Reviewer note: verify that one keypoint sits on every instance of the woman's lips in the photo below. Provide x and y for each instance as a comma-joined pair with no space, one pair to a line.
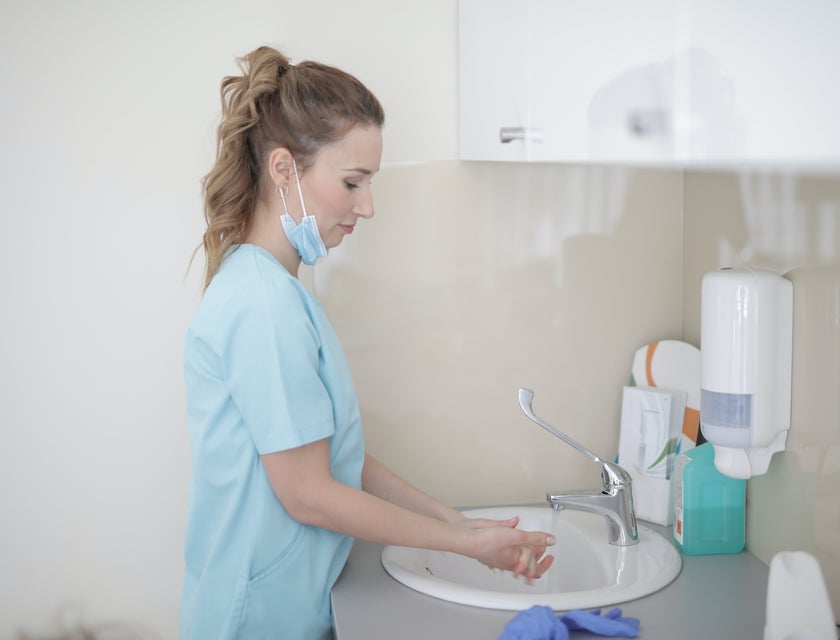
348,228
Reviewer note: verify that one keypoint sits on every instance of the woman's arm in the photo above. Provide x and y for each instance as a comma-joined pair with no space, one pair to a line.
380,481
302,481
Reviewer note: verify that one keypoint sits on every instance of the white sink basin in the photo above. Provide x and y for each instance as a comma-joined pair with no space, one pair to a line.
587,573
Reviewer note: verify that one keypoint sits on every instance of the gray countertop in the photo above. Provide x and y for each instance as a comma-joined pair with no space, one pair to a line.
721,597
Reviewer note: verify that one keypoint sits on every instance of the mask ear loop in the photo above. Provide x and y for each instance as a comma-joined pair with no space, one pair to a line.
300,191
282,193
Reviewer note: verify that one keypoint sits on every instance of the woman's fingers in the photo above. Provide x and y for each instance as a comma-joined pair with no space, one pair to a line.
545,563
539,539
523,564
521,552
483,523
531,563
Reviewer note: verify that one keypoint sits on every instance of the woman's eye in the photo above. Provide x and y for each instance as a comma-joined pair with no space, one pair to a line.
351,185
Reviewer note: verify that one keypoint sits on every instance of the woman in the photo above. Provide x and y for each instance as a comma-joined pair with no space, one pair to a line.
280,482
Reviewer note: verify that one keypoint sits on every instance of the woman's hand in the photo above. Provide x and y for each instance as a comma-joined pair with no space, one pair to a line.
499,545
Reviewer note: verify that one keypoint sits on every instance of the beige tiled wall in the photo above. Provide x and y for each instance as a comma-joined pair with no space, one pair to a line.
475,279
784,221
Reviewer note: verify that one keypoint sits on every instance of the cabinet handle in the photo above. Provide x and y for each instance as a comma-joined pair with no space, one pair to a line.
509,134
643,123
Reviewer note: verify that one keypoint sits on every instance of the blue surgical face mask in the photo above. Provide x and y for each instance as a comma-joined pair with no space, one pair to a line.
305,236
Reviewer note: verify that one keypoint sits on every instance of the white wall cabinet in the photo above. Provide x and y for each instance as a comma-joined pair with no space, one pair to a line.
664,82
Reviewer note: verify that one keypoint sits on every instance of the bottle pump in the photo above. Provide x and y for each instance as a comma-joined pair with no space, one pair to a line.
745,358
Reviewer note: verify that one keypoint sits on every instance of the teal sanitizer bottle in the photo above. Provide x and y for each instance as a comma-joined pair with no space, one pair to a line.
709,507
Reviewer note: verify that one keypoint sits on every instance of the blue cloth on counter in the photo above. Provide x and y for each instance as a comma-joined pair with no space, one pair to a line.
540,623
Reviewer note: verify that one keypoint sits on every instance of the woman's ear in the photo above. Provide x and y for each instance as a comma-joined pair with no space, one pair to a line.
280,167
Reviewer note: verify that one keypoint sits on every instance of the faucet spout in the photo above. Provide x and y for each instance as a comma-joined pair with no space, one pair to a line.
615,503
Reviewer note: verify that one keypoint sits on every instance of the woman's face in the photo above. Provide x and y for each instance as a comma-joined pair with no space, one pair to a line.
336,188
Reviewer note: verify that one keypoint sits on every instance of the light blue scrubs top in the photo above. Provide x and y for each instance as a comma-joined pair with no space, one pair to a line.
264,372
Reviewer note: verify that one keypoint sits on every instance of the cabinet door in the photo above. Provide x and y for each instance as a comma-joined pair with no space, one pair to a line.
602,79
761,82
565,80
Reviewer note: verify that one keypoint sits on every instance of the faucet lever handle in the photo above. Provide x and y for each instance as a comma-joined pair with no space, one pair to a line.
525,398
613,475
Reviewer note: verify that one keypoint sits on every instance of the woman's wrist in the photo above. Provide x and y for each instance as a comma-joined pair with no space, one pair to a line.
452,516
464,541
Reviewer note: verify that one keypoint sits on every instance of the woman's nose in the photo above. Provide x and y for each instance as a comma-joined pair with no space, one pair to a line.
364,206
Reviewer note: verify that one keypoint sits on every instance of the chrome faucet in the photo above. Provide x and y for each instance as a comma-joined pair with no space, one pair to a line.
615,499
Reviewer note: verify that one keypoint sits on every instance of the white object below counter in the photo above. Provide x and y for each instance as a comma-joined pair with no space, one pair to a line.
722,596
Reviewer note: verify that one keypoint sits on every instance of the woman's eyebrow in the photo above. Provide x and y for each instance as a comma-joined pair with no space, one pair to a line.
367,172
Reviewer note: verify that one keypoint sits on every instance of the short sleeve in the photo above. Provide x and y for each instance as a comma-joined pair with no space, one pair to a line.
271,362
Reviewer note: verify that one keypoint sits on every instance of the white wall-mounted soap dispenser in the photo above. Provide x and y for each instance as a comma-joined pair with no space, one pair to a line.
746,337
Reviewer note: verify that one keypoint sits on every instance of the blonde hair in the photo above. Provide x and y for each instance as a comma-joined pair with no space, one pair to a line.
273,104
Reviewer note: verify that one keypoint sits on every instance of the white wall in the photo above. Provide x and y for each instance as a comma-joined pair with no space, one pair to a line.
107,116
